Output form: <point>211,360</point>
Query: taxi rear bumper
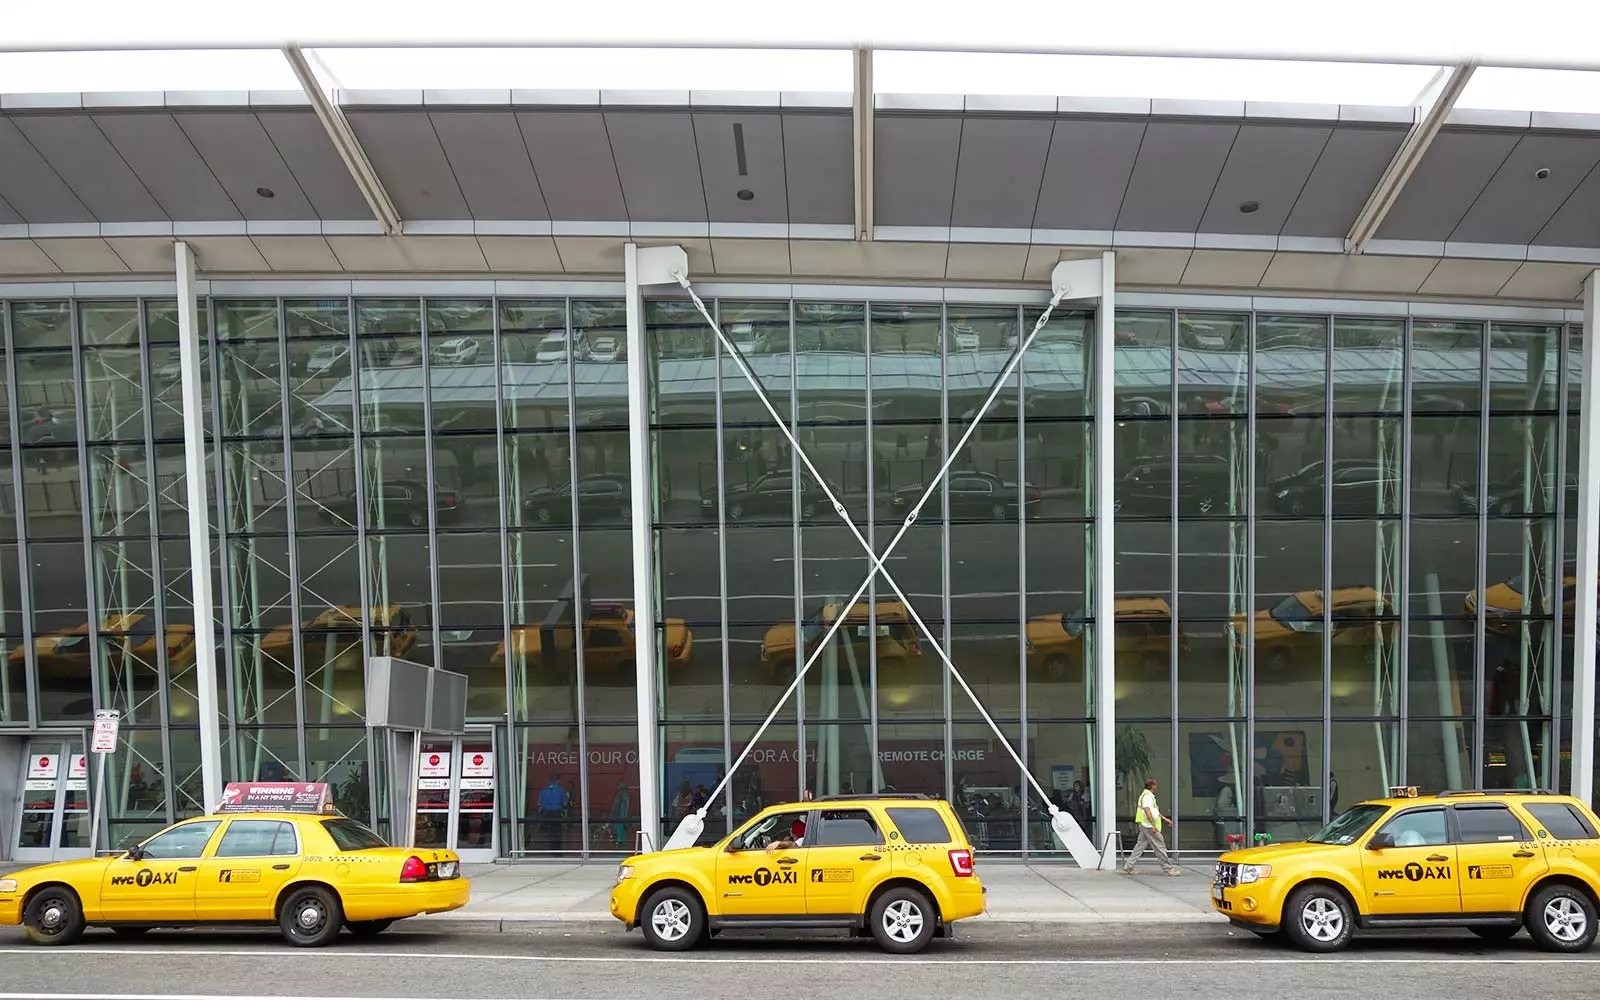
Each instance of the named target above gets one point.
<point>407,900</point>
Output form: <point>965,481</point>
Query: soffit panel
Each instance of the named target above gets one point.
<point>1226,268</point>
<point>304,146</point>
<point>999,171</point>
<point>529,254</point>
<point>572,157</point>
<point>1350,166</point>
<point>1269,165</point>
<point>1547,280</point>
<point>1448,180</point>
<point>242,157</point>
<point>1086,173</point>
<point>77,150</point>
<point>23,257</point>
<point>658,164</point>
<point>403,149</point>
<point>82,255</point>
<point>35,191</point>
<point>914,169</point>
<point>168,165</point>
<point>719,139</point>
<point>1517,204</point>
<point>819,169</point>
<point>1577,222</point>
<point>296,253</point>
<point>1177,169</point>
<point>490,162</point>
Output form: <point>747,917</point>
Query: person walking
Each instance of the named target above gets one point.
<point>1150,820</point>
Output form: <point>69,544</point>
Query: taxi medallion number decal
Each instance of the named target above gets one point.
<point>832,875</point>
<point>236,875</point>
<point>1488,871</point>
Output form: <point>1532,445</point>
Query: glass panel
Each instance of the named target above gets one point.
<point>119,491</point>
<point>1144,750</point>
<point>1368,364</point>
<point>255,500</point>
<point>1213,362</point>
<point>390,362</point>
<point>268,755</point>
<point>1441,668</point>
<point>613,805</point>
<point>1366,469</point>
<point>41,324</point>
<point>114,394</point>
<point>1289,778</point>
<point>461,364</point>
<point>47,398</point>
<point>469,484</point>
<point>1439,755</point>
<point>534,363</point>
<point>1444,565</point>
<point>988,791</point>
<point>1288,619</point>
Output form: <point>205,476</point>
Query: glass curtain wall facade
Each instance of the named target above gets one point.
<point>1343,553</point>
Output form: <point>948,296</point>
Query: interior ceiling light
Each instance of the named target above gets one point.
<point>1542,173</point>
<point>265,192</point>
<point>1249,206</point>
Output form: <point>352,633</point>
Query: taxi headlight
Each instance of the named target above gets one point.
<point>8,885</point>
<point>1253,873</point>
<point>624,872</point>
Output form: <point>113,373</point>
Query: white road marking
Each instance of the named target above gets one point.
<point>190,996</point>
<point>433,956</point>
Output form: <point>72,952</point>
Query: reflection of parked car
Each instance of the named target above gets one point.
<point>1293,627</point>
<point>327,359</point>
<point>46,425</point>
<point>1513,495</point>
<point>1206,485</point>
<point>769,496</point>
<point>455,351</point>
<point>121,638</point>
<point>963,337</point>
<point>557,345</point>
<point>402,501</point>
<point>606,349</point>
<point>337,631</point>
<point>600,498</point>
<point>1359,487</point>
<point>1506,603</point>
<point>609,643</point>
<point>1144,633</point>
<point>897,635</point>
<point>973,496</point>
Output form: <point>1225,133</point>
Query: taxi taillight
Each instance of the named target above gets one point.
<point>961,863</point>
<point>413,870</point>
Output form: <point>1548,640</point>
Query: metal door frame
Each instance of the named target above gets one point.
<point>453,812</point>
<point>64,742</point>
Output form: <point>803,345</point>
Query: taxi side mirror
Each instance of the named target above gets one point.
<point>135,854</point>
<point>1380,841</point>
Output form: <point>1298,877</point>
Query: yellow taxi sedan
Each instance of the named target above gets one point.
<point>311,875</point>
<point>899,868</point>
<point>1489,862</point>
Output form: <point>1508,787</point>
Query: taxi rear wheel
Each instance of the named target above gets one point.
<point>1317,918</point>
<point>310,917</point>
<point>53,916</point>
<point>1561,918</point>
<point>367,928</point>
<point>902,921</point>
<point>674,920</point>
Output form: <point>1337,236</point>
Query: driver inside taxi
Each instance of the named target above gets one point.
<point>796,838</point>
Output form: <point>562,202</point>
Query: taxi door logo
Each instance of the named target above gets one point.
<point>764,877</point>
<point>1416,872</point>
<point>145,878</point>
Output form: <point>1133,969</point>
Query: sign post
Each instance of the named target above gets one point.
<point>102,744</point>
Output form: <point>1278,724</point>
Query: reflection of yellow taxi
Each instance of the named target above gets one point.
<point>1293,627</point>
<point>898,867</point>
<point>609,643</point>
<point>339,629</point>
<point>897,636</point>
<point>1505,603</point>
<point>120,637</point>
<point>311,874</point>
<point>1490,862</point>
<point>1144,631</point>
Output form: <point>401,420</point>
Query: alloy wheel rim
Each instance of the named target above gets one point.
<point>1322,919</point>
<point>902,920</point>
<point>671,920</point>
<point>1565,919</point>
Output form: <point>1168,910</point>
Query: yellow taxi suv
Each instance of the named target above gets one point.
<point>899,868</point>
<point>312,873</point>
<point>1493,863</point>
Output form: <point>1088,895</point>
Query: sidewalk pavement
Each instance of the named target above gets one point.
<point>505,896</point>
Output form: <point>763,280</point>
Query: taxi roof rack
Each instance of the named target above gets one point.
<point>872,796</point>
<point>1456,792</point>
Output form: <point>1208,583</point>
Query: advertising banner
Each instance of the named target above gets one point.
<point>276,796</point>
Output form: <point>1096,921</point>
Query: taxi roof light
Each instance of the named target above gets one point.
<point>1402,791</point>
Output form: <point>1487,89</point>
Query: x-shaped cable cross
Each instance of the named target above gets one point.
<point>1064,826</point>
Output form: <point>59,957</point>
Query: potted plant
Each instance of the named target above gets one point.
<point>1133,764</point>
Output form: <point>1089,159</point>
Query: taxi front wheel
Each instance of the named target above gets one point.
<point>310,917</point>
<point>1317,918</point>
<point>53,916</point>
<point>1561,918</point>
<point>674,920</point>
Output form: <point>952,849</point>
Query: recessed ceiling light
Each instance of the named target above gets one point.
<point>745,194</point>
<point>1249,207</point>
<point>1542,173</point>
<point>265,192</point>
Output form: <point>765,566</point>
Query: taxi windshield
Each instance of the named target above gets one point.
<point>1346,828</point>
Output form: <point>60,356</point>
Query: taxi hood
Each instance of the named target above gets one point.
<point>1266,854</point>
<point>690,854</point>
<point>82,867</point>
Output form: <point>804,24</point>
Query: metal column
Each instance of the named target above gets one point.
<point>194,464</point>
<point>1104,598</point>
<point>1588,553</point>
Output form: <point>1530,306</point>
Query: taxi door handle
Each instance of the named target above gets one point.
<point>1438,857</point>
<point>187,868</point>
<point>1522,854</point>
<point>280,868</point>
<point>788,861</point>
<point>871,857</point>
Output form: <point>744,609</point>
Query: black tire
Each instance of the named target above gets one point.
<point>367,928</point>
<point>1055,666</point>
<point>808,509</point>
<point>673,919</point>
<point>310,917</point>
<point>130,932</point>
<point>1561,918</point>
<point>736,511</point>
<point>1277,659</point>
<point>902,921</point>
<point>1318,918</point>
<point>542,515</point>
<point>1297,507</point>
<point>1265,934</point>
<point>417,518</point>
<point>998,511</point>
<point>1497,934</point>
<point>53,916</point>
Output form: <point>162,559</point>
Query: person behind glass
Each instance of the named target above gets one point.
<point>1150,819</point>
<point>553,802</point>
<point>683,805</point>
<point>796,838</point>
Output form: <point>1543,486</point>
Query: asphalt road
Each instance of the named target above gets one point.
<point>1020,962</point>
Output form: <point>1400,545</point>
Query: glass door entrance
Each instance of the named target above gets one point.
<point>456,796</point>
<point>53,808</point>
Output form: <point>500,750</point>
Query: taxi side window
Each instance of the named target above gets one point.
<point>1562,821</point>
<point>770,830</point>
<point>258,838</point>
<point>1489,824</point>
<point>920,825</point>
<point>180,842</point>
<point>845,828</point>
<point>1418,828</point>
